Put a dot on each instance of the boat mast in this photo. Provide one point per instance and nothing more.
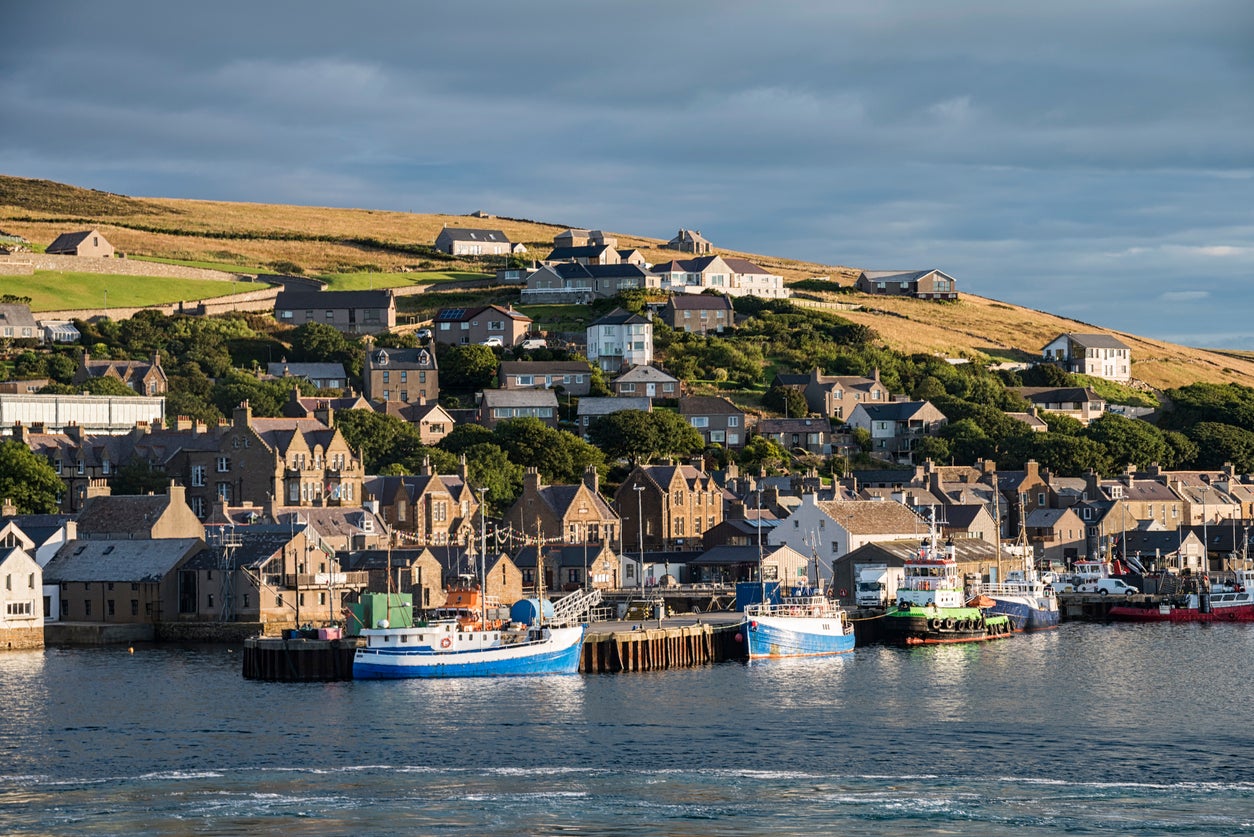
(483, 560)
(539, 574)
(761, 577)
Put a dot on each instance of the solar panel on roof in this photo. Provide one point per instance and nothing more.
(452, 313)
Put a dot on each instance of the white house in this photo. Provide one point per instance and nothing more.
(831, 529)
(1099, 355)
(620, 339)
(21, 599)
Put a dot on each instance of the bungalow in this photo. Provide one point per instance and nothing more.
(920, 284)
(590, 409)
(321, 375)
(1081, 403)
(463, 241)
(17, 323)
(647, 381)
(577, 283)
(498, 405)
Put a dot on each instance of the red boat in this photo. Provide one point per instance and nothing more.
(1229, 606)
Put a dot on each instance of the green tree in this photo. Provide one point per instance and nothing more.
(933, 448)
(1129, 441)
(560, 456)
(27, 479)
(762, 453)
(139, 477)
(1218, 443)
(470, 367)
(789, 401)
(380, 439)
(465, 436)
(488, 466)
(640, 436)
(92, 386)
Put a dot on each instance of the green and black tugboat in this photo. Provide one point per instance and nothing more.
(931, 606)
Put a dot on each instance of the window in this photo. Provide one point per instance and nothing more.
(718, 436)
(224, 492)
(699, 421)
(386, 377)
(198, 505)
(733, 421)
(285, 315)
(224, 464)
(198, 476)
(733, 438)
(404, 376)
(134, 607)
(330, 316)
(209, 601)
(1040, 498)
(87, 607)
(82, 466)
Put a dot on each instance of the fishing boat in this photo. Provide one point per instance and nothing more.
(800, 623)
(803, 623)
(1195, 601)
(464, 640)
(1025, 599)
(931, 604)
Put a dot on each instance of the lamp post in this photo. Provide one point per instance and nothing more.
(1205, 541)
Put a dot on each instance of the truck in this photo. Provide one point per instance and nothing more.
(871, 585)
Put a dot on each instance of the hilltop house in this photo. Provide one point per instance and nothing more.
(700, 313)
(462, 241)
(690, 241)
(352, 312)
(719, 421)
(1099, 355)
(84, 243)
(144, 376)
(920, 284)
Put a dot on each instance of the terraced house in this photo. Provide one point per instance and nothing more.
(677, 504)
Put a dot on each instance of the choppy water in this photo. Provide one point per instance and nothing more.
(1091, 729)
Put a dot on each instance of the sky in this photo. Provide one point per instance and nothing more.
(1089, 158)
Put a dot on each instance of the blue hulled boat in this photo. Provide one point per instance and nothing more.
(803, 624)
(449, 649)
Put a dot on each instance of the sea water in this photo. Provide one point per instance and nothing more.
(1089, 729)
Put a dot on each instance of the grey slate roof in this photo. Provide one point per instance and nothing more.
(469, 234)
(333, 299)
(1096, 341)
(597, 406)
(621, 316)
(118, 560)
(312, 371)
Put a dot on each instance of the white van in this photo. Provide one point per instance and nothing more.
(1108, 587)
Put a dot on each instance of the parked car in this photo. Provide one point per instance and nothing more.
(494, 341)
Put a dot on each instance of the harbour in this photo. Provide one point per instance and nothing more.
(169, 737)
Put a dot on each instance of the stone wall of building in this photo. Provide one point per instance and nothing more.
(21, 639)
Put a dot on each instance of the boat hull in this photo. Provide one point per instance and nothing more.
(773, 637)
(1155, 613)
(944, 626)
(557, 654)
(1026, 613)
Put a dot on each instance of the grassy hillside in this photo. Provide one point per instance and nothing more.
(323, 241)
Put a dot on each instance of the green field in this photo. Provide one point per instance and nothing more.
(225, 267)
(369, 281)
(58, 291)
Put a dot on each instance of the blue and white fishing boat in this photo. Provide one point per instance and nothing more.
(1026, 599)
(802, 624)
(465, 641)
(447, 648)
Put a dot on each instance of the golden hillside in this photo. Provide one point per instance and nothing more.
(328, 240)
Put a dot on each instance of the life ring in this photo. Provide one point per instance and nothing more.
(446, 642)
(949, 623)
(844, 594)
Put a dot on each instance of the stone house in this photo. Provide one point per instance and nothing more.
(433, 421)
(481, 324)
(920, 284)
(144, 376)
(401, 375)
(83, 243)
(1081, 403)
(463, 241)
(699, 313)
(1099, 355)
(690, 241)
(567, 513)
(278, 575)
(1056, 536)
(676, 503)
(727, 564)
(426, 509)
(120, 580)
(574, 377)
(352, 312)
(570, 567)
(835, 396)
(719, 421)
